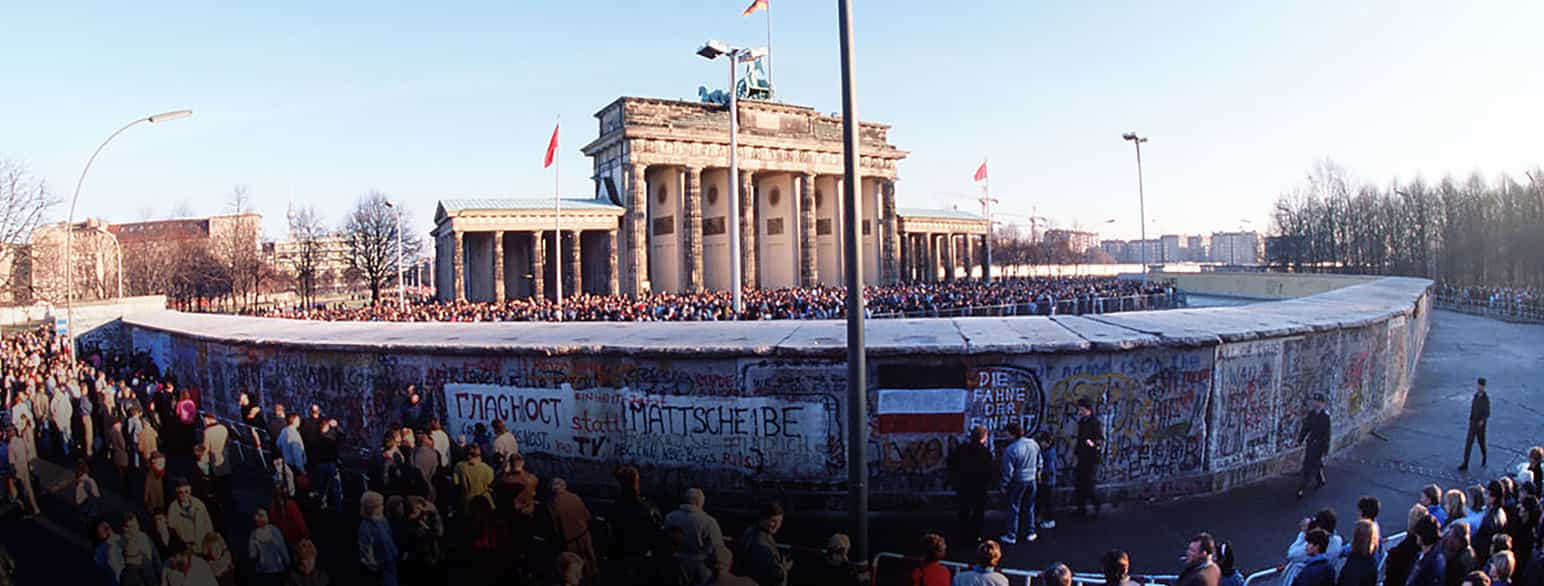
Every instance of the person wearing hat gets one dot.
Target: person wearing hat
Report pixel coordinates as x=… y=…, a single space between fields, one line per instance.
x=1315 y=437
x=1089 y=447
x=1479 y=414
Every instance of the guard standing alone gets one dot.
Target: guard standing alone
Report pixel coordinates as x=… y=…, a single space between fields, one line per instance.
x=1090 y=445
x=1315 y=437
x=1479 y=414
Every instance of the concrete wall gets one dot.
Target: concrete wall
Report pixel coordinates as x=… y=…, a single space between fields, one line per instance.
x=1193 y=400
x=99 y=323
x=1267 y=286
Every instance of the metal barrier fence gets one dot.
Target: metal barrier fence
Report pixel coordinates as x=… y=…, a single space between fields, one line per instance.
x=1499 y=309
x=1095 y=305
x=1083 y=578
x=247 y=442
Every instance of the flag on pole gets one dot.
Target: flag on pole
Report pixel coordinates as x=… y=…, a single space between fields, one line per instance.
x=980 y=171
x=552 y=147
x=755 y=5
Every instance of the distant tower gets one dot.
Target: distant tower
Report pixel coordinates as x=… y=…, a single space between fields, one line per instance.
x=289 y=215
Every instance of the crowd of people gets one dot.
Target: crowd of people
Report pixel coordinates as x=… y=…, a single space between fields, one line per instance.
x=1518 y=302
x=1003 y=296
x=430 y=509
x=1480 y=535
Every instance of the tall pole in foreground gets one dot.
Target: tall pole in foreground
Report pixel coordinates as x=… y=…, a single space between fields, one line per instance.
x=735 y=270
x=1141 y=199
x=857 y=369
x=69 y=223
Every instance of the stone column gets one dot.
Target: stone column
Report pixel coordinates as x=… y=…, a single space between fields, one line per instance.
x=986 y=254
x=890 y=259
x=538 y=264
x=498 y=265
x=839 y=227
x=458 y=268
x=929 y=258
x=949 y=257
x=691 y=243
x=573 y=281
x=611 y=262
x=809 y=270
x=970 y=253
x=748 y=253
x=905 y=258
x=637 y=225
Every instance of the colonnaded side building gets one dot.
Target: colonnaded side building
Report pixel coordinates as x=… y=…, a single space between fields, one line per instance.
x=658 y=220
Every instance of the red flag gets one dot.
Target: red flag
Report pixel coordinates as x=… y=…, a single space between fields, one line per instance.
x=755 y=5
x=552 y=147
x=980 y=171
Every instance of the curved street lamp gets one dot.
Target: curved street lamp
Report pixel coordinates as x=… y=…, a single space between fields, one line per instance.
x=1141 y=199
x=69 y=224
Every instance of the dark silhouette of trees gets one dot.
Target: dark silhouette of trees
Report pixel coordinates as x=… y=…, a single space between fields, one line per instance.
x=1465 y=232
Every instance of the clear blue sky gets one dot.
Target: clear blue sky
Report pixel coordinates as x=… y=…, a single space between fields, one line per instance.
x=433 y=100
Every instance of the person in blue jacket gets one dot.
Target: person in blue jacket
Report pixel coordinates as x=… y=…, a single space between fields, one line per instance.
x=1047 y=478
x=1318 y=571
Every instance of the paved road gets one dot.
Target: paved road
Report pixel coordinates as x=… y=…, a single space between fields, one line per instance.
x=1421 y=445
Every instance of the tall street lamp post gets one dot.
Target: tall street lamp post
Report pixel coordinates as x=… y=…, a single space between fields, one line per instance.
x=713 y=50
x=69 y=223
x=1141 y=198
x=857 y=367
x=401 y=293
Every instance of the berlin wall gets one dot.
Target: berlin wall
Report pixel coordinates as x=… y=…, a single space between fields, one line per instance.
x=1193 y=400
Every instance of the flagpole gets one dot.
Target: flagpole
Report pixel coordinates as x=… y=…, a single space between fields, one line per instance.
x=557 y=220
x=986 y=210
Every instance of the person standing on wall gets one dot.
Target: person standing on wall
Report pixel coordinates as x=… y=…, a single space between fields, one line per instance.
x=1090 y=444
x=1479 y=414
x=971 y=473
x=1315 y=437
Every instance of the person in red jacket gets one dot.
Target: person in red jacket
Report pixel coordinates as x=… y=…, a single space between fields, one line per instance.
x=929 y=570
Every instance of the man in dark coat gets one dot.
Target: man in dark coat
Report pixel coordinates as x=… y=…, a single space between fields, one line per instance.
x=1199 y=568
x=1090 y=445
x=1315 y=437
x=1479 y=414
x=1431 y=569
x=972 y=473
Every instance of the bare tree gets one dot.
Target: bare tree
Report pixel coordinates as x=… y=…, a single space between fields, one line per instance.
x=1460 y=231
x=307 y=231
x=237 y=247
x=24 y=200
x=371 y=234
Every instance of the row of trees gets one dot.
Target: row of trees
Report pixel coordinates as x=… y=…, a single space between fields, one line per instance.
x=233 y=268
x=1463 y=231
x=1014 y=247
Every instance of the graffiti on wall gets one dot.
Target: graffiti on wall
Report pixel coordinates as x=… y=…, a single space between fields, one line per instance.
x=1153 y=404
x=1399 y=365
x=1309 y=365
x=771 y=437
x=1246 y=382
x=1171 y=414
x=916 y=429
